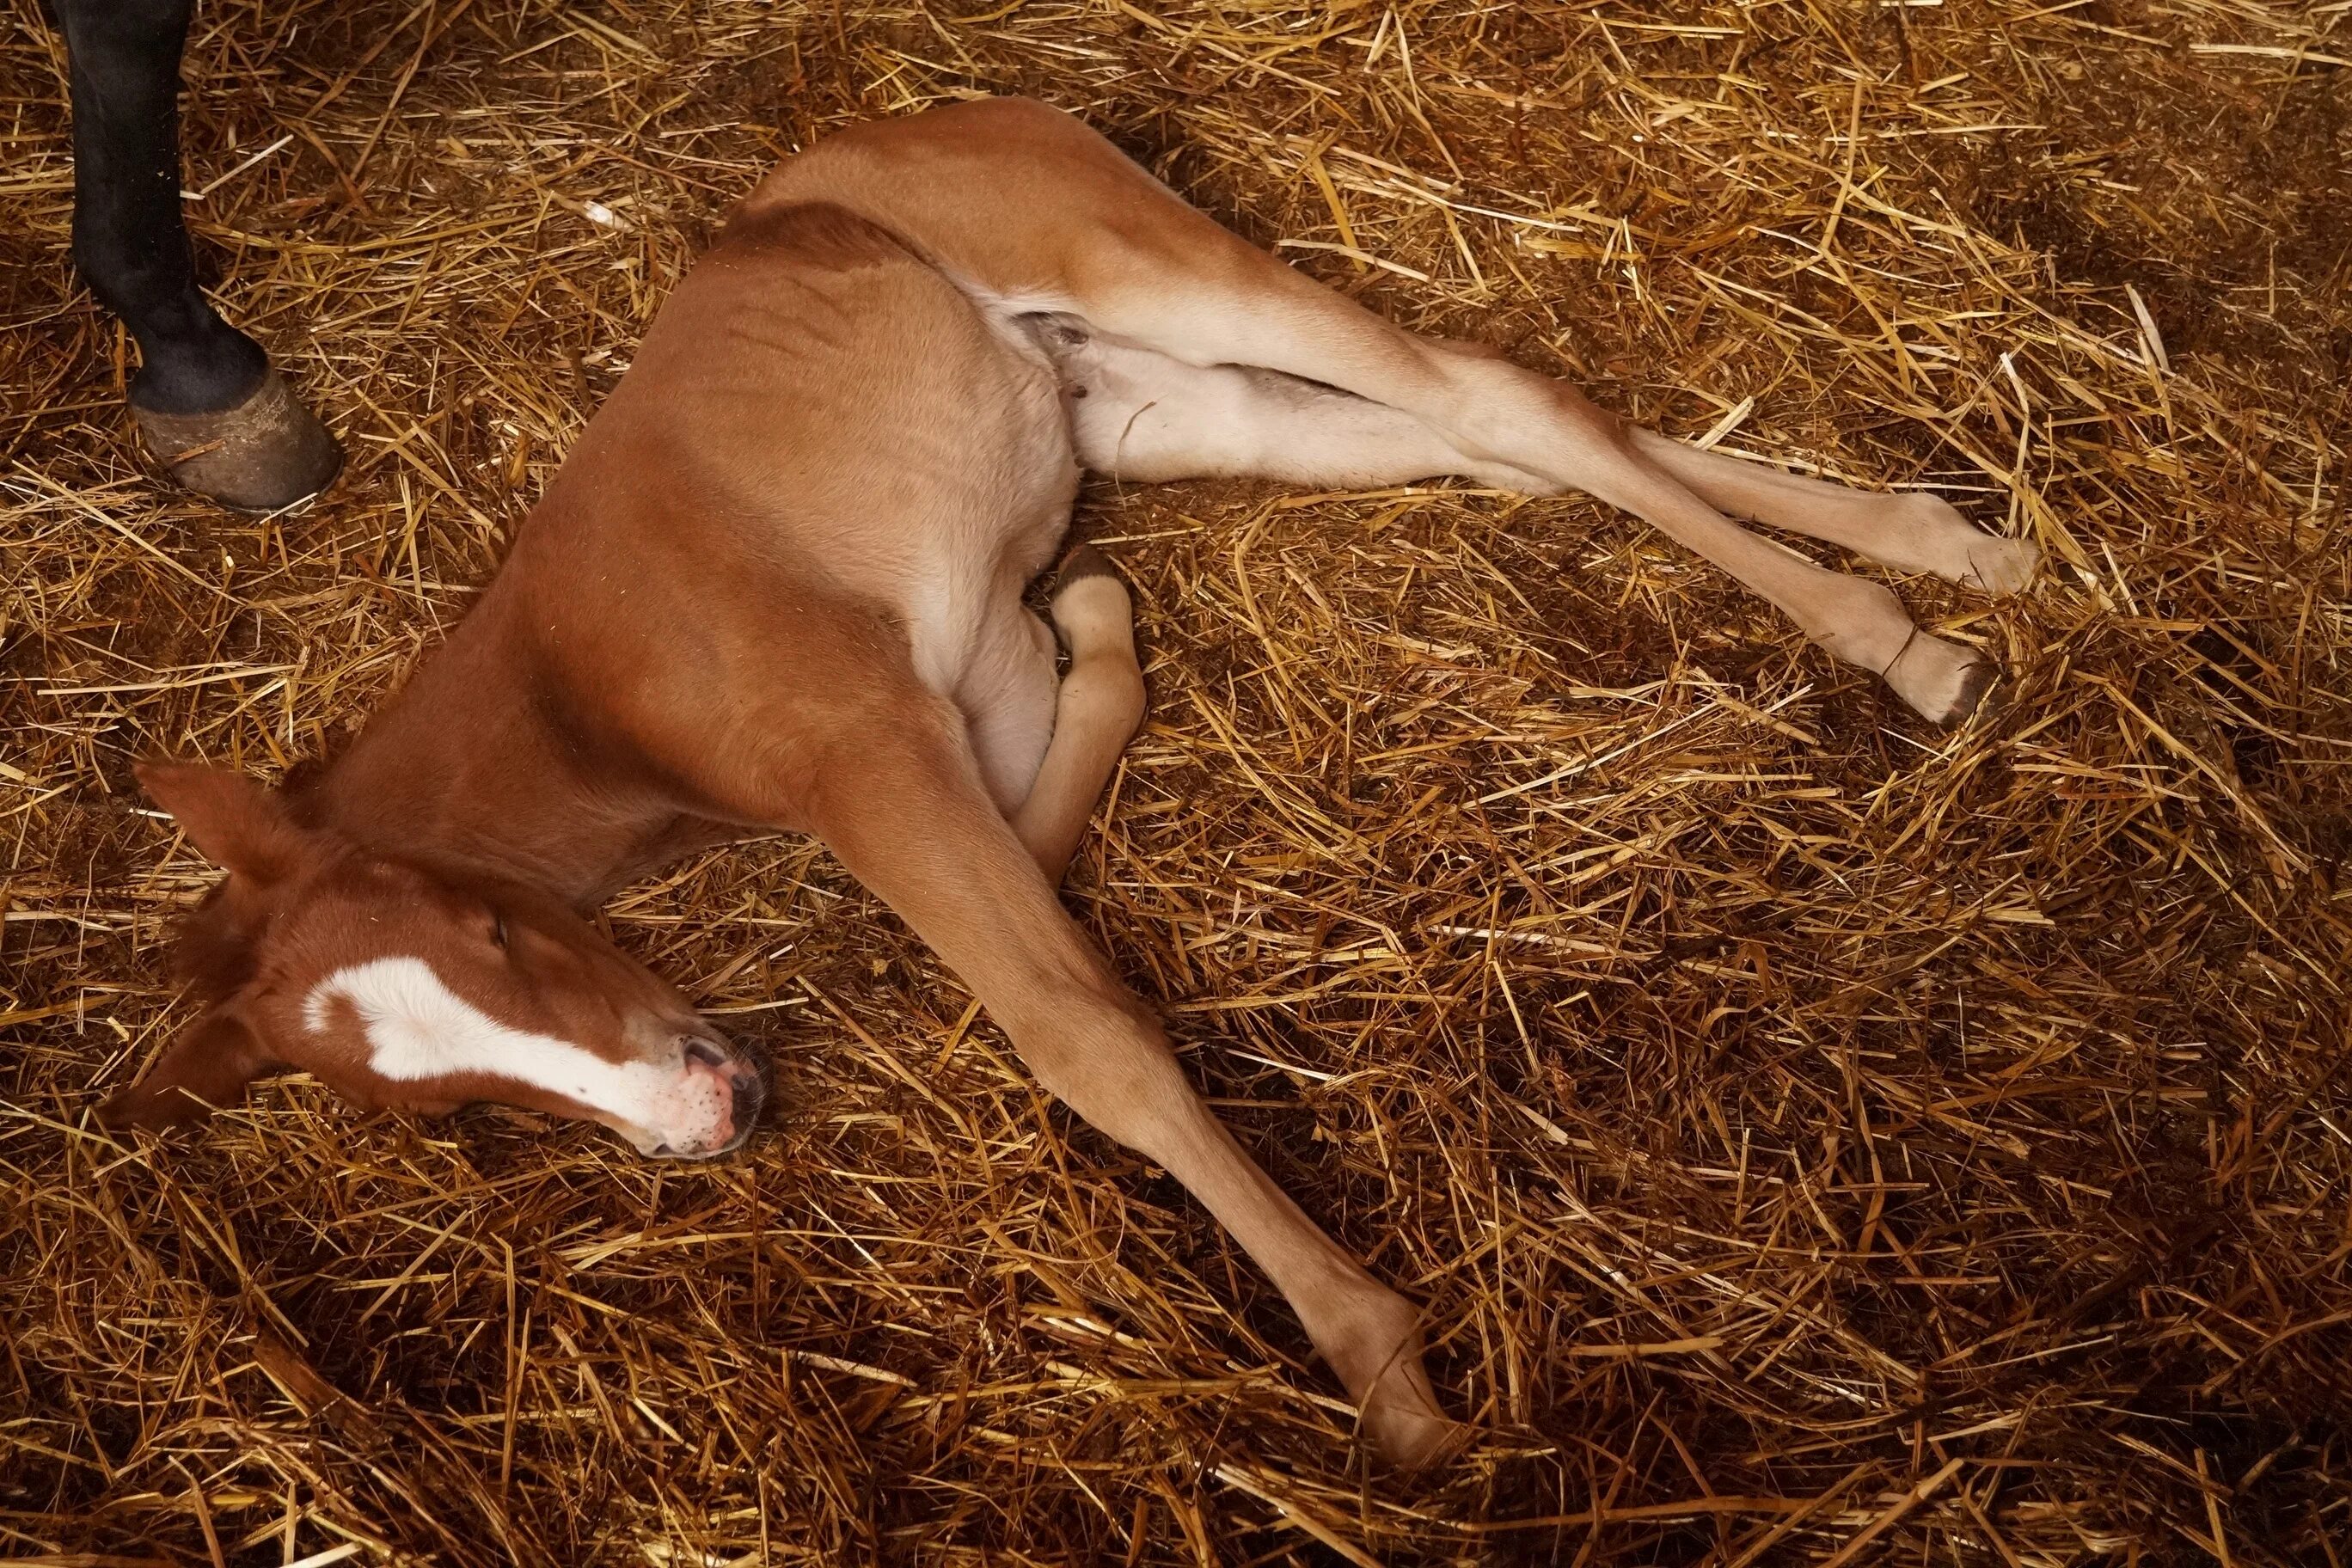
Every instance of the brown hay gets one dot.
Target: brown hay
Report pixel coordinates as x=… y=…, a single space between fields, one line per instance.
x=1816 y=1139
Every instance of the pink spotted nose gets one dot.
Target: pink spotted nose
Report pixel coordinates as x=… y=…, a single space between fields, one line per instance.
x=716 y=1102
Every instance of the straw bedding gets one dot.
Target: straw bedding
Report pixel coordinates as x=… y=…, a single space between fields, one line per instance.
x=1815 y=1138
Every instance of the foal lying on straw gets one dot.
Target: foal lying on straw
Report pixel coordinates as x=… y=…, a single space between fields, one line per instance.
x=778 y=585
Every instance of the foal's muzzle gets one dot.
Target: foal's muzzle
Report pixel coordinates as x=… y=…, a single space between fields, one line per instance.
x=741 y=1077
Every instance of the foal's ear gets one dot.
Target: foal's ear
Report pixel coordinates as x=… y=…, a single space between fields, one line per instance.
x=205 y=1068
x=239 y=826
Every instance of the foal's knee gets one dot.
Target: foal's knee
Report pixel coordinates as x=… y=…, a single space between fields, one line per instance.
x=1100 y=1051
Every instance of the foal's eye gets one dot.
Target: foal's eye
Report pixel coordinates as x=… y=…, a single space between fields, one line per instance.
x=498 y=928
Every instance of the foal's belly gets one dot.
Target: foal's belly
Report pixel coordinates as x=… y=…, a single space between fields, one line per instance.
x=973 y=640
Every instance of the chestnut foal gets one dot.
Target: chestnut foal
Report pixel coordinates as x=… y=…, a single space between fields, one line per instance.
x=778 y=585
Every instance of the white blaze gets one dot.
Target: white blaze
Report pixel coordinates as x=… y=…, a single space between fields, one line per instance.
x=417 y=1028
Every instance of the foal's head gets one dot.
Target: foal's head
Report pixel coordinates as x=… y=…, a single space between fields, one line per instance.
x=398 y=987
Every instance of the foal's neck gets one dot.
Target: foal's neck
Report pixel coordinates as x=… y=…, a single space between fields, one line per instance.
x=472 y=772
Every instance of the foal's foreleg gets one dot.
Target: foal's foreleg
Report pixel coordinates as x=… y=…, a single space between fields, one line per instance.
x=903 y=807
x=1096 y=711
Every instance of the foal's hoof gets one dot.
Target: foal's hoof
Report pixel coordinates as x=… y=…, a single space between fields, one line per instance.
x=1944 y=682
x=1082 y=562
x=1405 y=1426
x=266 y=452
x=1926 y=533
x=2001 y=566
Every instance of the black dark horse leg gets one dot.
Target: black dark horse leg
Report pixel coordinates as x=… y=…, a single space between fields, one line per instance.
x=206 y=399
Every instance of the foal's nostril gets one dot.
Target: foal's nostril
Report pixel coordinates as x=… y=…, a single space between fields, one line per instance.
x=751 y=1094
x=701 y=1050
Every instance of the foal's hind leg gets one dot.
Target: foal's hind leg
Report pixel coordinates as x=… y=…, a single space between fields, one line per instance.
x=1137 y=414
x=1910 y=533
x=1241 y=307
x=1029 y=211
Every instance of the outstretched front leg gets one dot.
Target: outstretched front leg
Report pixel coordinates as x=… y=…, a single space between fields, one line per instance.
x=899 y=800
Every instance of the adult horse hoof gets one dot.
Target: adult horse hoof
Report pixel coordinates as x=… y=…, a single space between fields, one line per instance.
x=266 y=452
